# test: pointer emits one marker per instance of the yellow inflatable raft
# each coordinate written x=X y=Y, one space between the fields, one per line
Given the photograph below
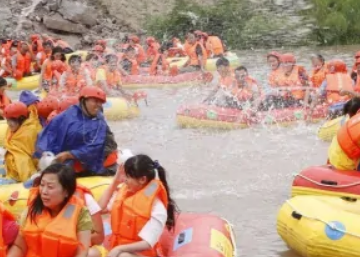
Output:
x=15 y=196
x=3 y=128
x=210 y=63
x=82 y=53
x=26 y=83
x=321 y=226
x=329 y=129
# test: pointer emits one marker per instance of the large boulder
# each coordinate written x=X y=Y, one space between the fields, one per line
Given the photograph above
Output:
x=6 y=16
x=58 y=23
x=78 y=12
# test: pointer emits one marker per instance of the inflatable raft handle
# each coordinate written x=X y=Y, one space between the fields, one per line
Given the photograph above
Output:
x=181 y=238
x=349 y=199
x=329 y=182
x=296 y=215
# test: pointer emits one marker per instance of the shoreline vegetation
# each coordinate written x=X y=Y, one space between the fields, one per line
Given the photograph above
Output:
x=247 y=24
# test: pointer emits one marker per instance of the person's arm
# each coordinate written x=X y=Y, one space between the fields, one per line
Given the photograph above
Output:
x=97 y=232
x=84 y=238
x=18 y=248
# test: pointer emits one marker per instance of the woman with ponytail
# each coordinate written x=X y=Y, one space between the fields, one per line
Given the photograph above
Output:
x=140 y=208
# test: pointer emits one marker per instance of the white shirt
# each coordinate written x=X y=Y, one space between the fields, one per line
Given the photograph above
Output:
x=91 y=204
x=154 y=228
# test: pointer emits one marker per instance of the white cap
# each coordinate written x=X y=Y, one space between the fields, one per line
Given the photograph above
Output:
x=124 y=155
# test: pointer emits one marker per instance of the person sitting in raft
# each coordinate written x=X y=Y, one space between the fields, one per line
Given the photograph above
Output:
x=84 y=194
x=274 y=61
x=45 y=107
x=47 y=71
x=19 y=144
x=214 y=46
x=31 y=101
x=81 y=137
x=92 y=63
x=98 y=50
x=196 y=53
x=140 y=54
x=152 y=49
x=146 y=195
x=9 y=230
x=319 y=71
x=20 y=60
x=55 y=213
x=129 y=63
x=75 y=78
x=160 y=66
x=108 y=77
x=43 y=52
x=344 y=152
x=63 y=105
x=4 y=99
x=177 y=48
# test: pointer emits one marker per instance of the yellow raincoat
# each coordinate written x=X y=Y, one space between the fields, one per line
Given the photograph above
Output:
x=34 y=117
x=20 y=147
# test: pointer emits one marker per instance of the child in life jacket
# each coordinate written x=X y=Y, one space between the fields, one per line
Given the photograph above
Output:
x=343 y=152
x=146 y=195
x=8 y=230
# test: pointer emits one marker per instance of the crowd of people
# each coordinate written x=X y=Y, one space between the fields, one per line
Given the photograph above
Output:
x=63 y=218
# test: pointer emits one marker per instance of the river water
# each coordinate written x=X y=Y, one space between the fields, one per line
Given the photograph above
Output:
x=241 y=175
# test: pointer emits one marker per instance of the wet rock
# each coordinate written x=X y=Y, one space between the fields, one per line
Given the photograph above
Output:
x=44 y=2
x=78 y=12
x=26 y=24
x=23 y=1
x=6 y=16
x=58 y=23
x=53 y=6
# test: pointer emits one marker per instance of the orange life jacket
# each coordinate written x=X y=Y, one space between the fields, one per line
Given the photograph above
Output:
x=191 y=52
x=39 y=45
x=152 y=50
x=140 y=56
x=349 y=137
x=273 y=77
x=245 y=93
x=48 y=72
x=187 y=46
x=228 y=82
x=292 y=80
x=54 y=236
x=134 y=66
x=27 y=63
x=335 y=83
x=131 y=212
x=44 y=56
x=154 y=64
x=113 y=78
x=4 y=213
x=4 y=101
x=74 y=83
x=318 y=76
x=20 y=66
x=214 y=45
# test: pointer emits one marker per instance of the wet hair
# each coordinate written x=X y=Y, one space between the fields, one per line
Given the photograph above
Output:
x=14 y=44
x=222 y=62
x=3 y=82
x=110 y=57
x=56 y=50
x=142 y=165
x=318 y=56
x=352 y=107
x=75 y=58
x=89 y=57
x=241 y=68
x=67 y=180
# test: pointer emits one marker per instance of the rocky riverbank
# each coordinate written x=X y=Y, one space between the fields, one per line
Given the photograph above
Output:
x=273 y=22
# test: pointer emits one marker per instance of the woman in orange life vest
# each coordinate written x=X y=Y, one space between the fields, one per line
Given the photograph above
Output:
x=196 y=53
x=214 y=46
x=129 y=63
x=20 y=60
x=274 y=61
x=4 y=99
x=47 y=74
x=108 y=77
x=145 y=195
x=43 y=53
x=343 y=153
x=56 y=222
x=75 y=78
x=152 y=49
x=8 y=230
x=19 y=144
x=81 y=137
x=134 y=41
x=318 y=74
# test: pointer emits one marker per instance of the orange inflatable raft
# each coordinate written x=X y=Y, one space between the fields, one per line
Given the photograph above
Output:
x=194 y=235
x=159 y=81
x=325 y=180
x=203 y=115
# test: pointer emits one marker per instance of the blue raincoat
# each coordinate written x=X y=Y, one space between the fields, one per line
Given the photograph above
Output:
x=82 y=136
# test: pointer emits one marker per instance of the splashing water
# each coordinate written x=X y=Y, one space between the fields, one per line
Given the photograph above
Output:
x=25 y=12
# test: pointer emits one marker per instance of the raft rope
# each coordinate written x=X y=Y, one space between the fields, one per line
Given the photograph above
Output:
x=331 y=225
x=325 y=185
